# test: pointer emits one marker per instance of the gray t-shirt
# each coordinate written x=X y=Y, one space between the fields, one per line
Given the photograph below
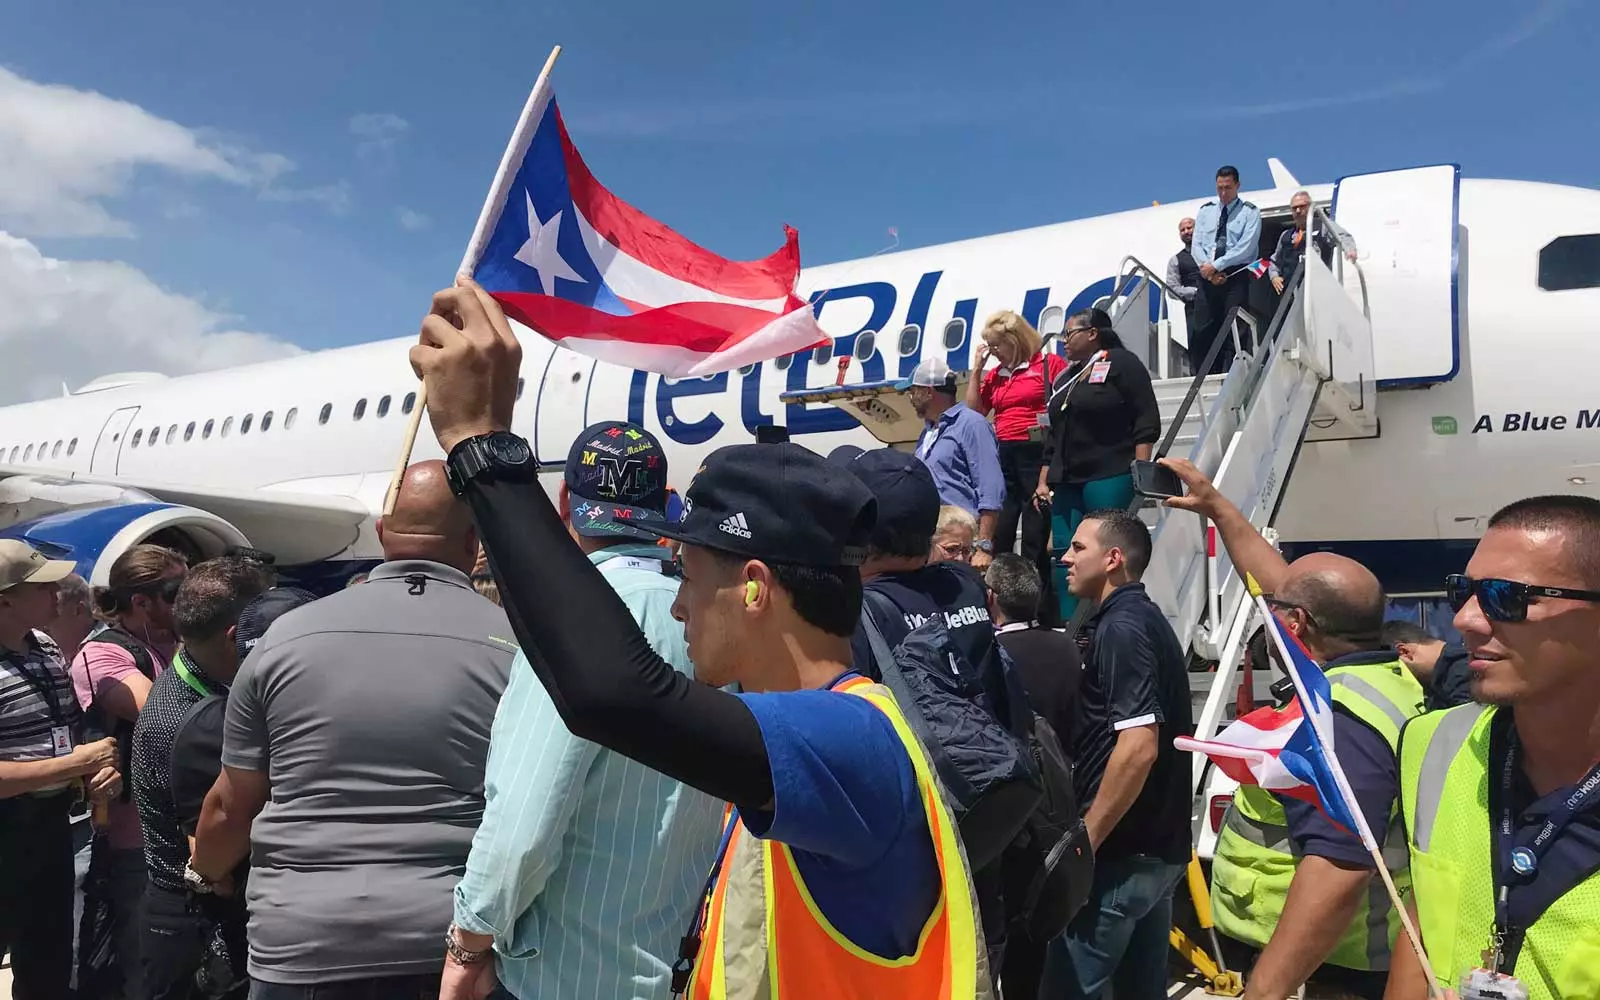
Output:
x=370 y=711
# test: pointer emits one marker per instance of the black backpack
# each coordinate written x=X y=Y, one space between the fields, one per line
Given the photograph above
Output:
x=1049 y=868
x=988 y=770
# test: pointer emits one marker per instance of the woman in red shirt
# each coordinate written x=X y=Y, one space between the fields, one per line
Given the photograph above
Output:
x=1014 y=393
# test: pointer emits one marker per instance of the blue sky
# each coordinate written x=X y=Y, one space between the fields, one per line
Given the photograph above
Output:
x=726 y=120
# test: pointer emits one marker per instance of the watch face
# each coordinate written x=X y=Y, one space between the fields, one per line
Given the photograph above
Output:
x=509 y=449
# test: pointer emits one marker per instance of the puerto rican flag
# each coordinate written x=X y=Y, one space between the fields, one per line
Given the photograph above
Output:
x=1288 y=751
x=571 y=260
x=1259 y=268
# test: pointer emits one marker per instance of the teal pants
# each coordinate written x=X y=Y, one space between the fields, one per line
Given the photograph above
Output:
x=1072 y=501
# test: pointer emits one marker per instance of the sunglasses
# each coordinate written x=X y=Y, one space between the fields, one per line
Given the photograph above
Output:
x=1506 y=600
x=1311 y=619
x=166 y=590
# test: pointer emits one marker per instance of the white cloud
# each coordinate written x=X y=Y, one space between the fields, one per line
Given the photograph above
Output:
x=71 y=321
x=64 y=152
x=412 y=219
x=379 y=133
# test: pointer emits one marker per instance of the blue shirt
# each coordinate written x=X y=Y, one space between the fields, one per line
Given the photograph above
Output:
x=845 y=802
x=961 y=451
x=1244 y=235
x=587 y=865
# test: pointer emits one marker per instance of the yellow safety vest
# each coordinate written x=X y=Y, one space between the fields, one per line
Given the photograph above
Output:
x=1255 y=862
x=1444 y=793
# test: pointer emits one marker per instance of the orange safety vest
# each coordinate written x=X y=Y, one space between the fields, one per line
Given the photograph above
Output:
x=766 y=939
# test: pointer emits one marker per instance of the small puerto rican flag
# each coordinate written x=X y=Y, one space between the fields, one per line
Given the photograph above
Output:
x=571 y=260
x=1259 y=268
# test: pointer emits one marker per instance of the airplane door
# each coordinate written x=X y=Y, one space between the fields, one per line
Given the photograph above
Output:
x=1404 y=223
x=562 y=405
x=108 y=446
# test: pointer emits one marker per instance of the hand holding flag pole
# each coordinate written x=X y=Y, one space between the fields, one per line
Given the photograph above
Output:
x=469 y=259
x=1316 y=709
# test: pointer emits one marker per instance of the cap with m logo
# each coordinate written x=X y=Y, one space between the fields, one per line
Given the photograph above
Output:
x=616 y=479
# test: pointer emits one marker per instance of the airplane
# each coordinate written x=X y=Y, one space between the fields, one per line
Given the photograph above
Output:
x=1471 y=283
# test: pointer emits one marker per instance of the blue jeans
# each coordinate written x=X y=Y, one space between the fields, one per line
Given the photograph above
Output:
x=1117 y=944
x=1072 y=501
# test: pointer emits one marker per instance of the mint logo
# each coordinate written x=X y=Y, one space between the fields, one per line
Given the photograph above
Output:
x=1444 y=425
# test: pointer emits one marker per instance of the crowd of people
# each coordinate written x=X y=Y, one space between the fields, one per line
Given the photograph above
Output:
x=788 y=736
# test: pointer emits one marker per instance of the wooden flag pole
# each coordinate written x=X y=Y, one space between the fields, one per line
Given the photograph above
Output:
x=487 y=216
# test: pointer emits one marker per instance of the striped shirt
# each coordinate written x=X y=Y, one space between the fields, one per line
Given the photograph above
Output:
x=587 y=865
x=35 y=694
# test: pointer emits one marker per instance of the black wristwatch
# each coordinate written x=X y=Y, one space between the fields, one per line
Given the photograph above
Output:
x=499 y=455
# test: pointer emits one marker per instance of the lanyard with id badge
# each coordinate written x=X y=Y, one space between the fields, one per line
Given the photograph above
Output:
x=61 y=742
x=1519 y=862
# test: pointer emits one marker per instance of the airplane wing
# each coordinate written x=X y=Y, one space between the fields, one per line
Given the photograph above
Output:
x=295 y=527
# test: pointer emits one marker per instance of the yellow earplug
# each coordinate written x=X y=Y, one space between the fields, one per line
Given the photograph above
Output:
x=752 y=590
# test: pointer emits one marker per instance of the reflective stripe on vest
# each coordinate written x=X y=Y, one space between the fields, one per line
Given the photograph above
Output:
x=766 y=938
x=1254 y=863
x=1444 y=795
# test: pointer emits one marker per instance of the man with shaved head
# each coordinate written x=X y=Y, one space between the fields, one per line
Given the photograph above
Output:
x=356 y=737
x=1300 y=892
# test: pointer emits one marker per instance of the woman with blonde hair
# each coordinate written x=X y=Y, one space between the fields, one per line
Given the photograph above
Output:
x=1014 y=392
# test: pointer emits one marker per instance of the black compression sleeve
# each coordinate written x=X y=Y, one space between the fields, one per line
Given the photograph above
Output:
x=607 y=682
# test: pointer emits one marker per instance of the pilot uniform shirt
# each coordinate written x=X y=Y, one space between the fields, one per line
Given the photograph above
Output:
x=1243 y=235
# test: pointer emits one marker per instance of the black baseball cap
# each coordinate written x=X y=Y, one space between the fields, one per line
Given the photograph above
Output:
x=616 y=481
x=908 y=498
x=260 y=613
x=845 y=454
x=776 y=502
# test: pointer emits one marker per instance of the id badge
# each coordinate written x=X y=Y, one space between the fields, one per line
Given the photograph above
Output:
x=1043 y=419
x=61 y=740
x=1481 y=984
x=1098 y=372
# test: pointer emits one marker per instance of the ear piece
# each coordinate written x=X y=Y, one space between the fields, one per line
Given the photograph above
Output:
x=752 y=590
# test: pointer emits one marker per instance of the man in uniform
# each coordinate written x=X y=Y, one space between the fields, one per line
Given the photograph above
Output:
x=1227 y=234
x=1286 y=881
x=1499 y=796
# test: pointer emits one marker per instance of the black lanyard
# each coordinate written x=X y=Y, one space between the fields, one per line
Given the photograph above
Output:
x=689 y=944
x=1518 y=863
x=43 y=686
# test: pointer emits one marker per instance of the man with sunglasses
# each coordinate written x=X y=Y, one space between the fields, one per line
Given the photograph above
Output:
x=1499 y=796
x=1285 y=879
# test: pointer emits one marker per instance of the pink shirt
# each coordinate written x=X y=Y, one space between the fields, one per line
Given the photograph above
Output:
x=106 y=664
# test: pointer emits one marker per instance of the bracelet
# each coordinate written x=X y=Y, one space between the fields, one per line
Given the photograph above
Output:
x=459 y=954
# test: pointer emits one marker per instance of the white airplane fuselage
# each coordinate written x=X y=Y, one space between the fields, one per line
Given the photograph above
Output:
x=1517 y=418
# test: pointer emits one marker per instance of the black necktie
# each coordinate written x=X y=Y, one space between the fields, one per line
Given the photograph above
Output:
x=1222 y=232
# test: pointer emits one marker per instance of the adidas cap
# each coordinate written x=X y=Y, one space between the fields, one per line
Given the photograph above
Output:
x=779 y=503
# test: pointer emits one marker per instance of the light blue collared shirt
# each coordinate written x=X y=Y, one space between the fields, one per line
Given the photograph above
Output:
x=961 y=451
x=587 y=865
x=1244 y=235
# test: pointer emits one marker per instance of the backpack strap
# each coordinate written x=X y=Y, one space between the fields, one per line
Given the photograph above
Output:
x=889 y=675
x=116 y=635
x=122 y=729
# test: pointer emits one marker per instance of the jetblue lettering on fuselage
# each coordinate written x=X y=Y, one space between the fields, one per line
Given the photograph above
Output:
x=810 y=419
x=1527 y=420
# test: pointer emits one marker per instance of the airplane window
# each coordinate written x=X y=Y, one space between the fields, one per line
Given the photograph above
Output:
x=1052 y=321
x=56 y=451
x=27 y=456
x=172 y=432
x=72 y=446
x=138 y=436
x=383 y=407
x=519 y=392
x=227 y=425
x=955 y=334
x=747 y=369
x=205 y=432
x=783 y=361
x=1569 y=262
x=823 y=354
x=910 y=340
x=288 y=418
x=244 y=425
x=14 y=449
x=866 y=343
x=327 y=411
x=188 y=432
x=360 y=410
x=409 y=403
x=155 y=433
x=266 y=421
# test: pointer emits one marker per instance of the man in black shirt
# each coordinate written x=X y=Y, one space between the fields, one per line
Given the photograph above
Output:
x=897 y=570
x=1047 y=660
x=1135 y=701
x=204 y=614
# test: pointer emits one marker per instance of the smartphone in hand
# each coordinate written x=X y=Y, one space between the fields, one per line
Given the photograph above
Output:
x=1155 y=481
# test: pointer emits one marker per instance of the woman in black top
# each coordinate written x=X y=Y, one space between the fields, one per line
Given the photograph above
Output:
x=1103 y=415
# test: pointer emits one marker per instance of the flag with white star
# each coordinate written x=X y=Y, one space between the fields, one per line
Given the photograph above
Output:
x=572 y=261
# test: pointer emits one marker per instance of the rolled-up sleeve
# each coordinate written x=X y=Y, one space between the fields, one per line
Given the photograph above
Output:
x=532 y=785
